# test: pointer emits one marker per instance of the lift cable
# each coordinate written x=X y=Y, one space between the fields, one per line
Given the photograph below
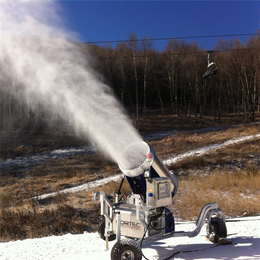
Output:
x=170 y=38
x=173 y=38
x=167 y=54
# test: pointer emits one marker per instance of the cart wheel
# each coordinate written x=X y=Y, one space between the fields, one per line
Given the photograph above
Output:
x=101 y=231
x=217 y=230
x=126 y=249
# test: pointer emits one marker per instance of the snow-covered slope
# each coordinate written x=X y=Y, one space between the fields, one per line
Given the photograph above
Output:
x=244 y=233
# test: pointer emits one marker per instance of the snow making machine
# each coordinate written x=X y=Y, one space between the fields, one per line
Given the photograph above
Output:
x=144 y=215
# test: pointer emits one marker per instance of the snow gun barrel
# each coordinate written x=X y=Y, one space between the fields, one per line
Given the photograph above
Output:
x=153 y=163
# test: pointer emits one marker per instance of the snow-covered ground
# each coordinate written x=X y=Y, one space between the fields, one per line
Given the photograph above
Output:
x=24 y=163
x=244 y=233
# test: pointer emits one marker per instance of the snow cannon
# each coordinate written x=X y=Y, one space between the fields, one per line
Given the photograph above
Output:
x=150 y=167
x=145 y=215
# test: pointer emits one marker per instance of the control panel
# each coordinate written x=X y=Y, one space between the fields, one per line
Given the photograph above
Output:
x=158 y=192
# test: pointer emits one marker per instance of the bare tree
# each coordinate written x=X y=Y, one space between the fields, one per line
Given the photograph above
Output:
x=134 y=46
x=122 y=70
x=147 y=64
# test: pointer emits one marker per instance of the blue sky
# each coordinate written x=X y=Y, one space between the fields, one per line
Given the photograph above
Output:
x=115 y=20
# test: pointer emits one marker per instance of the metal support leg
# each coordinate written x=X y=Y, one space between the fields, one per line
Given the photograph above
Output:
x=118 y=227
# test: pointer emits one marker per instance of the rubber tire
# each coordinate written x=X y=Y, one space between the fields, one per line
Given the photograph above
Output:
x=126 y=246
x=101 y=231
x=217 y=230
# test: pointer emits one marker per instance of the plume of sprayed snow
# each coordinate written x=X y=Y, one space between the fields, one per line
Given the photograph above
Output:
x=40 y=64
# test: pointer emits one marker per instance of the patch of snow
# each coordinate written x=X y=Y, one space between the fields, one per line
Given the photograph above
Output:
x=84 y=186
x=205 y=149
x=244 y=233
x=30 y=161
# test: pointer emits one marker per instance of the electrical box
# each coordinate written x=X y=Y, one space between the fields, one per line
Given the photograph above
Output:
x=158 y=192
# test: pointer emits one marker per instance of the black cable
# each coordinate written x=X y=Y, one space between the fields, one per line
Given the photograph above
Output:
x=175 y=253
x=158 y=228
x=148 y=225
x=174 y=38
x=159 y=215
x=188 y=251
x=143 y=238
x=118 y=192
x=166 y=54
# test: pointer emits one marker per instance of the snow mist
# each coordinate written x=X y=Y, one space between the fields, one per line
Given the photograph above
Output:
x=39 y=64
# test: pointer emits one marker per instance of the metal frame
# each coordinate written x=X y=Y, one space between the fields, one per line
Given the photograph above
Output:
x=110 y=211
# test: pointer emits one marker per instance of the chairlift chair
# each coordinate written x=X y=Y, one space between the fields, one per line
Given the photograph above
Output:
x=212 y=68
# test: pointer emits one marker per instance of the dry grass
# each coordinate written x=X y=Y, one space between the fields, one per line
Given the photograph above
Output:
x=84 y=198
x=231 y=158
x=186 y=141
x=53 y=176
x=237 y=193
x=33 y=222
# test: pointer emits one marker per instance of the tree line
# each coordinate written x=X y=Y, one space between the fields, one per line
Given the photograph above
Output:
x=143 y=78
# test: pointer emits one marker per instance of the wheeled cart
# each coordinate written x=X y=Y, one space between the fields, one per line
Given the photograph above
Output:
x=145 y=216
